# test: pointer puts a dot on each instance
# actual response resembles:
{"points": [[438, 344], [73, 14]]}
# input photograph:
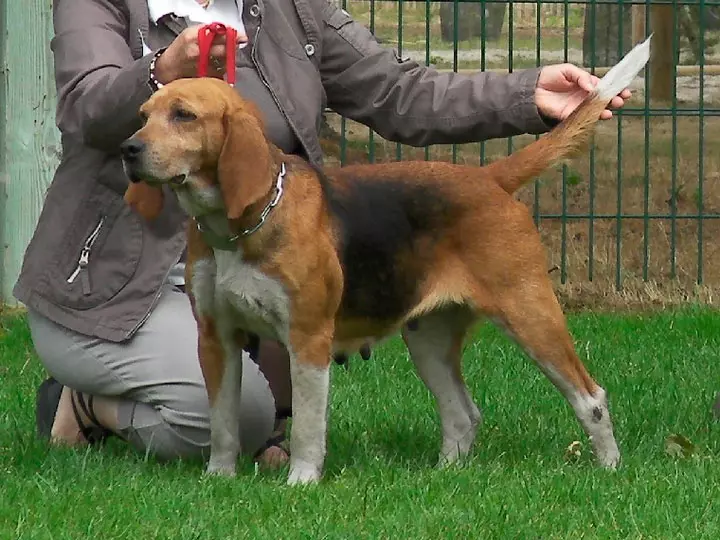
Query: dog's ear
{"points": [[244, 166], [145, 199]]}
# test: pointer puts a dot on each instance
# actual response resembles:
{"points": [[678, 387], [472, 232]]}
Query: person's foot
{"points": [[275, 454], [273, 458], [65, 428], [66, 417]]}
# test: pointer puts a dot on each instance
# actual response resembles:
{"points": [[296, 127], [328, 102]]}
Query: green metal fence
{"points": [[644, 202]]}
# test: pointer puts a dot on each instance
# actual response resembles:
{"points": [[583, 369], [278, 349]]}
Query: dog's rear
{"points": [[503, 275], [450, 244]]}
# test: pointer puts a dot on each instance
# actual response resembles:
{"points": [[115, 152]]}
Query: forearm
{"points": [[417, 105], [420, 106], [100, 85]]}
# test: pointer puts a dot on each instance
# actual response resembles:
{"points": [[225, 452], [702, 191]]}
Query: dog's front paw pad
{"points": [[303, 474]]}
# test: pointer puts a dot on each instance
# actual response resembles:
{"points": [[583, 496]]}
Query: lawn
{"points": [[661, 371]]}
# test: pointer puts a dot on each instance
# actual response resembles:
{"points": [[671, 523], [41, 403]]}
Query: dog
{"points": [[327, 262]]}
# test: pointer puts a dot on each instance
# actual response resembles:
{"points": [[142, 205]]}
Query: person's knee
{"points": [[167, 443], [180, 427], [151, 433]]}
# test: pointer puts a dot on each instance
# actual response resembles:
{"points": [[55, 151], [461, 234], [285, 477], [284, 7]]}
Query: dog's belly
{"points": [[351, 335], [248, 299]]}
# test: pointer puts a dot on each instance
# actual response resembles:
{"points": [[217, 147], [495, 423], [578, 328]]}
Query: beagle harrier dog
{"points": [[328, 261]]}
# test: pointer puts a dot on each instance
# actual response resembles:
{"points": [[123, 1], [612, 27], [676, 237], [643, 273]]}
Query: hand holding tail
{"points": [[573, 133]]}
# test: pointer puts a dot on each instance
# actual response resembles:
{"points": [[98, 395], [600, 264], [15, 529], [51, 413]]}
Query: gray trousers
{"points": [[164, 409]]}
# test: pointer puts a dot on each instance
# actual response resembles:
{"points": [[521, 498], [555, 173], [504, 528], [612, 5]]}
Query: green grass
{"points": [[661, 372]]}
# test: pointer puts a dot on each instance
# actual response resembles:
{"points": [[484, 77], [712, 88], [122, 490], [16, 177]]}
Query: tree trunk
{"points": [[606, 21], [470, 18]]}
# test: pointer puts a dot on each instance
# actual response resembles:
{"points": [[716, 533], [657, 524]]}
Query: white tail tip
{"points": [[622, 74]]}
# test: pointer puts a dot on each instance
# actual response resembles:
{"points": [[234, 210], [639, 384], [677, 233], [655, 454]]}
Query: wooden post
{"points": [[3, 153], [602, 22], [29, 141], [662, 58], [638, 24]]}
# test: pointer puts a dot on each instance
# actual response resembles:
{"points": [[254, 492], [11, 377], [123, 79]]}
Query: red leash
{"points": [[206, 35]]}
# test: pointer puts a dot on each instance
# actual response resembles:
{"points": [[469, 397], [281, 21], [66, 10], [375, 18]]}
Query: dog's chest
{"points": [[242, 297]]}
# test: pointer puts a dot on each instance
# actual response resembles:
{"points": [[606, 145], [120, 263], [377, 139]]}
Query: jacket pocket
{"points": [[358, 36], [99, 256]]}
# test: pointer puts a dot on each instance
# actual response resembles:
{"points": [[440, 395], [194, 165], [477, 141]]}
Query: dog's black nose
{"points": [[131, 149]]}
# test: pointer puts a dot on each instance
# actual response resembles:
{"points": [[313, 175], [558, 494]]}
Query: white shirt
{"points": [[228, 12]]}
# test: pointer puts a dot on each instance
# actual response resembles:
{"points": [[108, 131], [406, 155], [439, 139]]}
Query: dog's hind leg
{"points": [[435, 345], [530, 314]]}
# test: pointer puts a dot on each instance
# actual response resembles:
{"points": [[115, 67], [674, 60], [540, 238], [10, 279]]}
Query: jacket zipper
{"points": [[158, 293], [84, 259]]}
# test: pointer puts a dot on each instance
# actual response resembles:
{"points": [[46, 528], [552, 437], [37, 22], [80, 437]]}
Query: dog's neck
{"points": [[211, 216]]}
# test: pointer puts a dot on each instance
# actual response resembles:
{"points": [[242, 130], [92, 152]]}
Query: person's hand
{"points": [[180, 59], [562, 87]]}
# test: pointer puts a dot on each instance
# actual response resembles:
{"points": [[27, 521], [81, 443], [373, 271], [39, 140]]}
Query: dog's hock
{"points": [[622, 74]]}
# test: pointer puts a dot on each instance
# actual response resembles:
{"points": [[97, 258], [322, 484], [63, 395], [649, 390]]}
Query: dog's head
{"points": [[198, 135]]}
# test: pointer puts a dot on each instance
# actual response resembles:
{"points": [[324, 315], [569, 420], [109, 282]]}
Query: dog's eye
{"points": [[143, 118], [181, 115]]}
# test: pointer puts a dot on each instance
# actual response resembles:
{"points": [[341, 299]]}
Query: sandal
{"points": [[96, 433], [46, 404]]}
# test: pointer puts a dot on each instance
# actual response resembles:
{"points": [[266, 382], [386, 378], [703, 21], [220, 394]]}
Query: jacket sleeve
{"points": [[416, 105], [100, 85]]}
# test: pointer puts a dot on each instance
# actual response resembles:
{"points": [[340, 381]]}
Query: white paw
{"points": [[446, 459], [606, 451], [610, 459], [221, 469], [454, 451], [303, 473]]}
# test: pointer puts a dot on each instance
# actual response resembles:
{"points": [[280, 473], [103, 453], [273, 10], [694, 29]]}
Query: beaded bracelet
{"points": [[152, 79]]}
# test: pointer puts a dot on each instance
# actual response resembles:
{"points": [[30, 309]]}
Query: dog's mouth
{"points": [[178, 180], [175, 181], [137, 173]]}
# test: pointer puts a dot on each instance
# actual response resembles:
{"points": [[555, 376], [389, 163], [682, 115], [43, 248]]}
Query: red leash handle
{"points": [[206, 36]]}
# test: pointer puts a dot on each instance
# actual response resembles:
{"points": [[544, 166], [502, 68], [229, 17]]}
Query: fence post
{"points": [[662, 55], [638, 24], [29, 140], [3, 148]]}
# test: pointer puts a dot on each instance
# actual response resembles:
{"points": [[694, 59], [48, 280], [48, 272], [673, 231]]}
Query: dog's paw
{"points": [[610, 461], [221, 469], [303, 473]]}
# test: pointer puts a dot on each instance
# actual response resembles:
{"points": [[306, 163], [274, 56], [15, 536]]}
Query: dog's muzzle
{"points": [[132, 151]]}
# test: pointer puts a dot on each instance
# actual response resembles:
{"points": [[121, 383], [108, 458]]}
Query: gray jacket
{"points": [[96, 267]]}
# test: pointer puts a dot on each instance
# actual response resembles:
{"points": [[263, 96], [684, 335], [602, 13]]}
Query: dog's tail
{"points": [[573, 133]]}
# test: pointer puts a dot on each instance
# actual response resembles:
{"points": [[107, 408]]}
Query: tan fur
{"points": [[245, 165], [210, 352], [145, 199]]}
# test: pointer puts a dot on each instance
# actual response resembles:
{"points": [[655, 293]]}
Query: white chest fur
{"points": [[241, 296]]}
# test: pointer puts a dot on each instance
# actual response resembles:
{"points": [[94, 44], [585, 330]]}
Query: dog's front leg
{"points": [[310, 372], [225, 408]]}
